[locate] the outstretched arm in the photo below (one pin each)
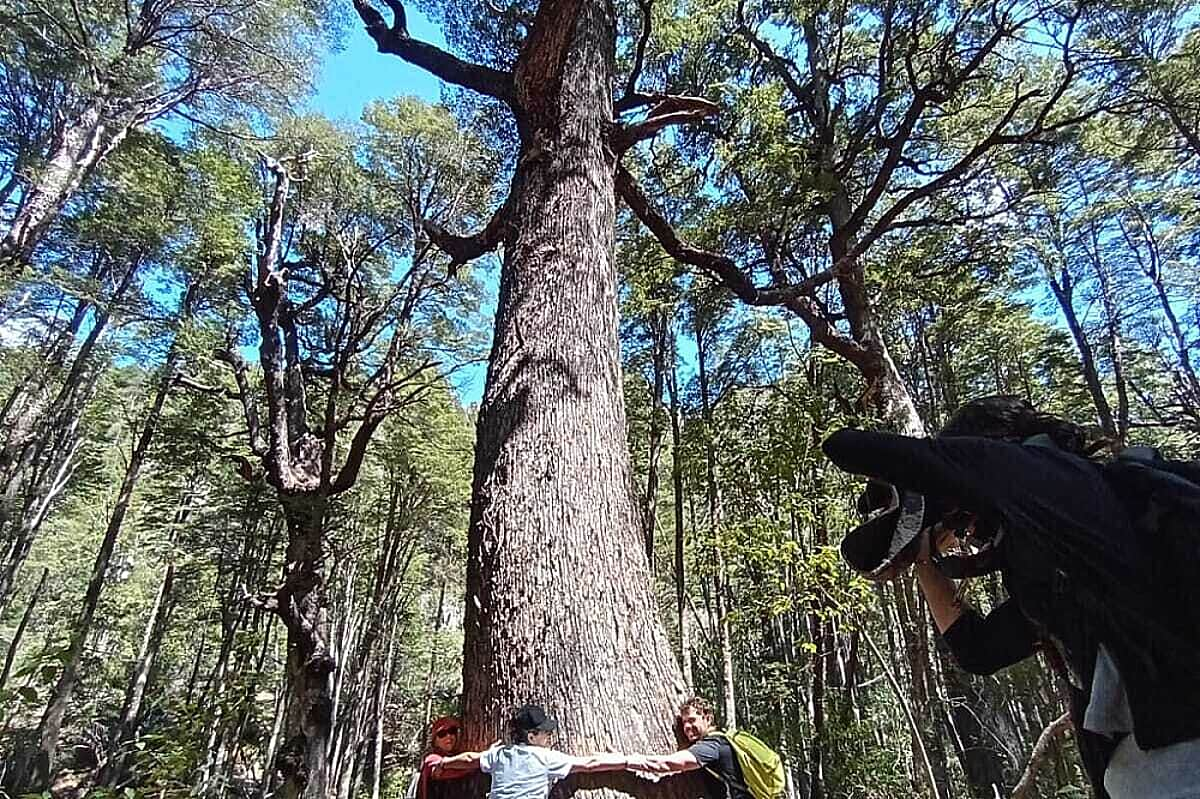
(598, 762)
(464, 761)
(674, 763)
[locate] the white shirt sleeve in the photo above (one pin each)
(558, 765)
(487, 760)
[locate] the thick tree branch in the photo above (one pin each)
(464, 249)
(297, 394)
(249, 409)
(204, 388)
(267, 293)
(670, 110)
(377, 410)
(719, 266)
(1170, 104)
(395, 40)
(794, 296)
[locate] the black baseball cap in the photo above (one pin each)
(533, 717)
(889, 536)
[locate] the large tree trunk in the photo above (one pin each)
(559, 607)
(304, 759)
(85, 139)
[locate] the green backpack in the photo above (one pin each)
(761, 767)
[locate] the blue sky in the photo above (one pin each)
(359, 74)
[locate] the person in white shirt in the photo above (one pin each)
(527, 768)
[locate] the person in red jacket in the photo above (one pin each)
(444, 736)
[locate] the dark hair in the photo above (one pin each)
(698, 704)
(1013, 419)
(529, 719)
(516, 733)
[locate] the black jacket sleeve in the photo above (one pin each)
(983, 645)
(1052, 497)
(976, 472)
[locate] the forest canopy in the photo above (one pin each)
(299, 411)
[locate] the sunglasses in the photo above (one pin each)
(446, 732)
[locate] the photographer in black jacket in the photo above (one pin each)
(1099, 561)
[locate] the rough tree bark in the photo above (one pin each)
(559, 607)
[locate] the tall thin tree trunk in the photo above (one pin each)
(658, 334)
(38, 465)
(916, 648)
(816, 698)
(431, 675)
(681, 603)
(41, 766)
(381, 695)
(1112, 329)
(1063, 288)
(720, 572)
(84, 140)
(156, 626)
(281, 700)
(922, 755)
(19, 633)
